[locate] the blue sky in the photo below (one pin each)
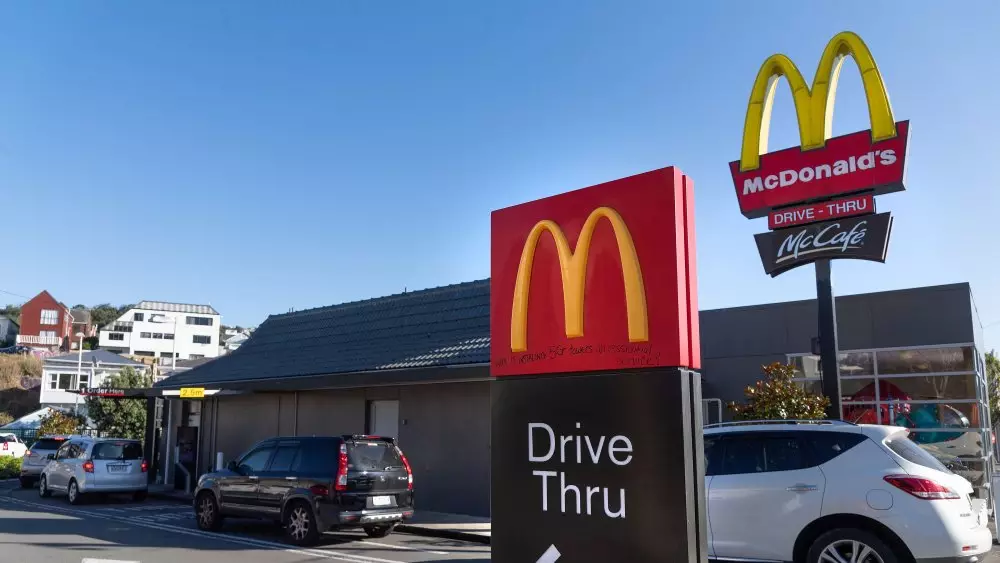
(264, 156)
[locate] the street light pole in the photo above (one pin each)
(79, 372)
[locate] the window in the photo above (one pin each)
(145, 353)
(828, 445)
(255, 461)
(167, 336)
(373, 456)
(50, 317)
(905, 448)
(84, 380)
(317, 457)
(196, 356)
(47, 333)
(118, 450)
(47, 444)
(158, 336)
(116, 336)
(926, 360)
(760, 454)
(201, 321)
(713, 451)
(200, 339)
(283, 458)
(139, 317)
(145, 335)
(166, 354)
(61, 381)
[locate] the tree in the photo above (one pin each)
(121, 418)
(12, 312)
(103, 314)
(778, 397)
(5, 418)
(993, 383)
(58, 422)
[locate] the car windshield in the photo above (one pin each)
(373, 455)
(117, 451)
(48, 444)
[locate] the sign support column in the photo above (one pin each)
(828, 346)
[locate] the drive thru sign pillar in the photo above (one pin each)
(597, 451)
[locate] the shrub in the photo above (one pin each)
(10, 467)
(778, 397)
(58, 422)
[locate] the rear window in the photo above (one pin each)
(904, 447)
(373, 456)
(317, 457)
(47, 444)
(117, 450)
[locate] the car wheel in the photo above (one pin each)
(27, 482)
(300, 524)
(379, 531)
(43, 487)
(847, 544)
(139, 496)
(206, 512)
(73, 493)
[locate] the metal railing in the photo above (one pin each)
(38, 340)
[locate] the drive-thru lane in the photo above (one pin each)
(37, 529)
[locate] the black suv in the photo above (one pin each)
(312, 484)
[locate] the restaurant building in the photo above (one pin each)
(416, 366)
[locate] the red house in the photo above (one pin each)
(45, 323)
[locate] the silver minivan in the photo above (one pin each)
(84, 466)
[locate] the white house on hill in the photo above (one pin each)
(165, 330)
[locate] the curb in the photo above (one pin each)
(447, 534)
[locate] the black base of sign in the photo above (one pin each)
(598, 468)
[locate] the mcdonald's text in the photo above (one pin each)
(847, 164)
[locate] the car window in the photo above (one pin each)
(761, 454)
(904, 447)
(64, 451)
(283, 458)
(47, 444)
(317, 457)
(373, 455)
(828, 445)
(117, 451)
(713, 460)
(255, 461)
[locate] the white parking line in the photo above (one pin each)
(323, 553)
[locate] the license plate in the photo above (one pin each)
(381, 501)
(118, 468)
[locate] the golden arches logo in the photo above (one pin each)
(814, 106)
(573, 269)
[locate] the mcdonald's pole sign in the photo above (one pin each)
(593, 342)
(615, 260)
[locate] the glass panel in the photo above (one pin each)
(857, 389)
(814, 386)
(927, 387)
(865, 413)
(933, 415)
(851, 363)
(951, 446)
(926, 360)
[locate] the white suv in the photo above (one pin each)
(834, 492)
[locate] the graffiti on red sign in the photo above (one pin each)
(790, 217)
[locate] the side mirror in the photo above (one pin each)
(50, 457)
(232, 466)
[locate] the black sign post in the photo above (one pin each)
(602, 467)
(828, 347)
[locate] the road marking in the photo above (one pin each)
(550, 555)
(326, 554)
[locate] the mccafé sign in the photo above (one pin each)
(595, 280)
(824, 178)
(865, 238)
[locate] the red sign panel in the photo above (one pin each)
(847, 164)
(596, 279)
(815, 212)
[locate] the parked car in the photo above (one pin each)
(312, 484)
(18, 349)
(37, 457)
(10, 446)
(82, 466)
(834, 491)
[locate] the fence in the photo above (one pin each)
(29, 435)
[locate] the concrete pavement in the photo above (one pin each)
(50, 530)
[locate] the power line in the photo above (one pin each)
(14, 294)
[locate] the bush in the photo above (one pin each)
(777, 397)
(14, 368)
(5, 418)
(58, 422)
(10, 467)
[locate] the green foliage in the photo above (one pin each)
(121, 418)
(10, 467)
(12, 312)
(58, 422)
(993, 382)
(103, 314)
(5, 418)
(778, 397)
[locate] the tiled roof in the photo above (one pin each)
(177, 307)
(444, 326)
(89, 356)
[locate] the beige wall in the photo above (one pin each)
(444, 431)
